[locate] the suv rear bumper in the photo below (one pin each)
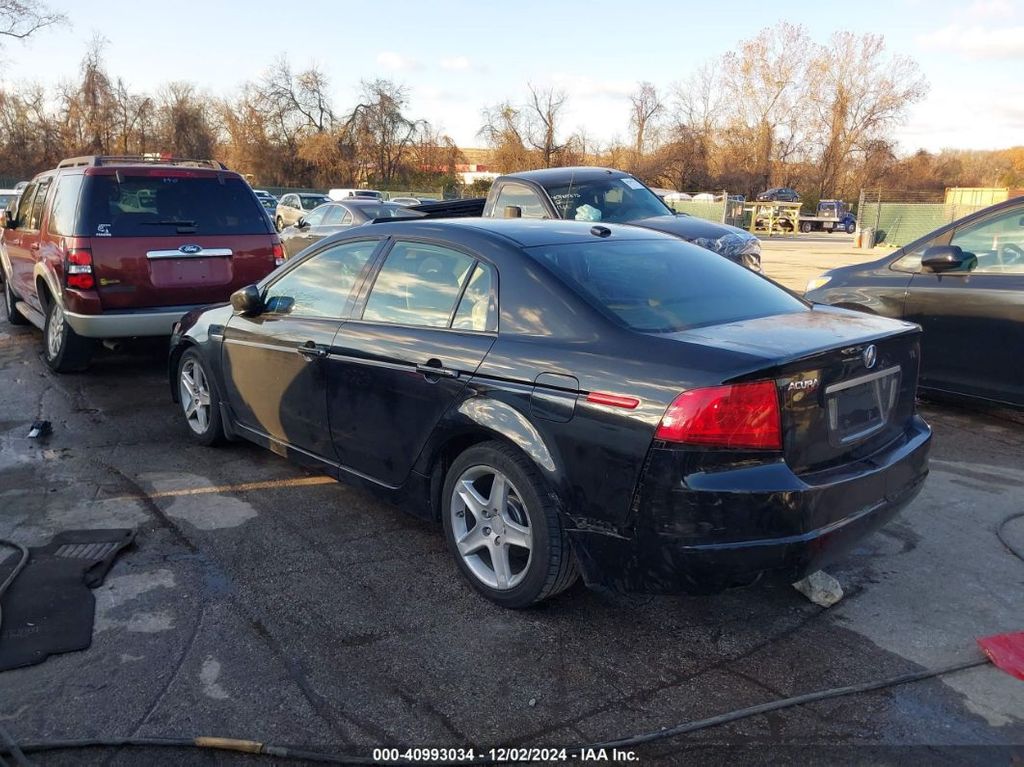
(128, 323)
(702, 533)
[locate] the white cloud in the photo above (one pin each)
(583, 86)
(396, 62)
(456, 64)
(977, 42)
(989, 9)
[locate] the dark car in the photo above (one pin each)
(605, 195)
(964, 285)
(335, 217)
(563, 396)
(779, 194)
(118, 247)
(294, 205)
(267, 200)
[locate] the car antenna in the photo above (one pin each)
(568, 194)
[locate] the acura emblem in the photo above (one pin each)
(870, 356)
(190, 249)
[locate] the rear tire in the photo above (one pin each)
(805, 227)
(64, 350)
(200, 402)
(279, 223)
(534, 561)
(13, 315)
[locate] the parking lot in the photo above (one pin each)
(261, 601)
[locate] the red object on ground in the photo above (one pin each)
(1006, 651)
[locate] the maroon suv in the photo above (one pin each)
(117, 247)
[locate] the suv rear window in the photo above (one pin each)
(663, 287)
(153, 205)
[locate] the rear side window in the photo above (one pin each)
(37, 205)
(65, 203)
(520, 197)
(320, 285)
(664, 286)
(164, 206)
(477, 307)
(25, 206)
(418, 285)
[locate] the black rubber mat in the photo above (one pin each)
(49, 608)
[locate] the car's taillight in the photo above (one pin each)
(278, 254)
(738, 416)
(78, 269)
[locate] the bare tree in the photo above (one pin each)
(504, 130)
(185, 127)
(21, 18)
(646, 108)
(383, 132)
(544, 112)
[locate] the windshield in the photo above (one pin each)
(155, 205)
(311, 201)
(664, 286)
(612, 199)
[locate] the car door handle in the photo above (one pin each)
(312, 351)
(434, 369)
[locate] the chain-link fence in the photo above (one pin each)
(900, 217)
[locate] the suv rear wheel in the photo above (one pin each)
(503, 527)
(65, 351)
(13, 315)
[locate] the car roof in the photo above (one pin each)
(526, 233)
(309, 194)
(549, 176)
(364, 202)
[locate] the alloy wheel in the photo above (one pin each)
(55, 332)
(195, 396)
(491, 527)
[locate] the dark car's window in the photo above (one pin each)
(612, 199)
(320, 285)
(997, 241)
(25, 206)
(387, 210)
(316, 217)
(477, 308)
(334, 215)
(521, 197)
(664, 286)
(165, 206)
(65, 204)
(418, 285)
(37, 205)
(311, 201)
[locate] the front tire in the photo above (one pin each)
(503, 527)
(13, 315)
(805, 227)
(850, 228)
(64, 350)
(200, 402)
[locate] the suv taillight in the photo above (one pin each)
(278, 254)
(738, 416)
(78, 269)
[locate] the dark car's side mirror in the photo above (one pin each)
(947, 258)
(247, 301)
(10, 222)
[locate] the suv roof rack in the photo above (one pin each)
(96, 160)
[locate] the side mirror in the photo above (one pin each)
(9, 220)
(247, 301)
(947, 258)
(301, 223)
(513, 211)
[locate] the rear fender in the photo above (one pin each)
(41, 272)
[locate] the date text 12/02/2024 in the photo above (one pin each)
(512, 754)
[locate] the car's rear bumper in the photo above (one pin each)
(127, 323)
(705, 532)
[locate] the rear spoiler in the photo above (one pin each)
(471, 208)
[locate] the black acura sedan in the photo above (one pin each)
(964, 285)
(569, 398)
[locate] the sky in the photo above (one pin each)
(457, 57)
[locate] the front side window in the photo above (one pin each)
(37, 205)
(65, 204)
(521, 197)
(664, 286)
(316, 217)
(611, 199)
(997, 241)
(25, 206)
(320, 286)
(418, 285)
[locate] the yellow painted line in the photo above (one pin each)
(244, 487)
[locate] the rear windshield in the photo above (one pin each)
(156, 206)
(312, 201)
(664, 286)
(387, 210)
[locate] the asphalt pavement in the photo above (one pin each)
(262, 601)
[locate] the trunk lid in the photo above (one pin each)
(846, 381)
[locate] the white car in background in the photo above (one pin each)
(339, 195)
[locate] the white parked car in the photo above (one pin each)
(347, 194)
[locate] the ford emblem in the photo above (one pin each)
(870, 356)
(190, 250)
